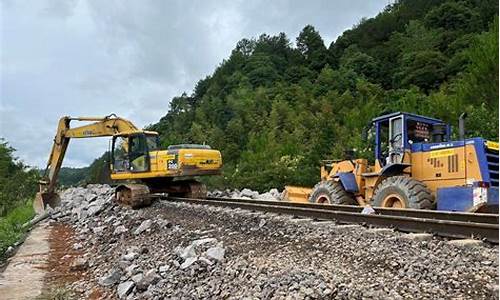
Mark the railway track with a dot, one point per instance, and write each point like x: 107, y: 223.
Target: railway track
x: 440, y: 223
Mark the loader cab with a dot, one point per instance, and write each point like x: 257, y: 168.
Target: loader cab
x: 130, y: 152
x: 396, y: 132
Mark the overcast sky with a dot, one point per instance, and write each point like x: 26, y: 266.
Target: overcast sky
x: 93, y: 58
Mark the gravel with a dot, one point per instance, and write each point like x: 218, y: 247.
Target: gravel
x: 197, y: 252
x: 271, y: 195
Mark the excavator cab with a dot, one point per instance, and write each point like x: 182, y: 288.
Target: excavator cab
x: 130, y: 152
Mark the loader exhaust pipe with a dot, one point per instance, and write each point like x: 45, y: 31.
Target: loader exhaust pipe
x: 461, y: 126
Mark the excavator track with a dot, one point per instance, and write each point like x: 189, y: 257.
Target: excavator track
x: 133, y: 195
x: 137, y: 195
x: 197, y: 190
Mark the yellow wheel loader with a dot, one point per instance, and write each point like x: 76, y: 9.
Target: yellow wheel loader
x: 416, y: 166
x: 135, y: 159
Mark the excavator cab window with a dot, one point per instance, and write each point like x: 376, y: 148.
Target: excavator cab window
x: 139, y: 158
x: 120, y: 154
x: 130, y: 153
x: 153, y: 142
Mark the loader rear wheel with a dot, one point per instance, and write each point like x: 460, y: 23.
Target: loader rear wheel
x: 331, y: 192
x: 402, y: 192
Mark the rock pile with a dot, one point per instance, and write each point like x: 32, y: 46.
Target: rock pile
x: 271, y: 195
x: 80, y: 203
x: 182, y: 251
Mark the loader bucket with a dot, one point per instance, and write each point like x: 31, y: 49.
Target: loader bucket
x: 42, y: 200
x: 296, y: 193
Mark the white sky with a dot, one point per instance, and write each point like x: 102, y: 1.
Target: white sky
x: 93, y: 58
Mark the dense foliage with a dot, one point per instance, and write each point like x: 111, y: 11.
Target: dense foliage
x: 18, y: 184
x: 97, y: 172
x: 71, y: 176
x: 276, y: 110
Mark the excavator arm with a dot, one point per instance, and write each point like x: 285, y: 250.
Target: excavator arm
x: 106, y: 126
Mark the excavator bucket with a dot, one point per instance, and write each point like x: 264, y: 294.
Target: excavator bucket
x: 43, y: 200
x: 296, y: 193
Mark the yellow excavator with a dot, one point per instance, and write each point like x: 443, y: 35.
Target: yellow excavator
x: 135, y: 159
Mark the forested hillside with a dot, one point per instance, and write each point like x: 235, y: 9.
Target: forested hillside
x: 276, y: 109
x: 97, y: 172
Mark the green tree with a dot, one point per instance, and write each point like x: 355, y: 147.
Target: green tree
x: 18, y: 183
x: 275, y: 110
x: 312, y: 47
x: 453, y: 15
x: 425, y: 69
x: 479, y: 84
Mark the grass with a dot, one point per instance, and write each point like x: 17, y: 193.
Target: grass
x: 11, y: 225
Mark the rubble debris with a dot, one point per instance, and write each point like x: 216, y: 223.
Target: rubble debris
x: 120, y: 229
x: 137, y: 277
x: 185, y: 251
x: 145, y: 225
x: 163, y: 268
x: 150, y: 278
x: 197, y: 243
x: 188, y: 252
x: 124, y: 288
x: 271, y: 195
x: 112, y: 278
x: 216, y: 253
x: 79, y: 264
x: 130, y: 256
x: 368, y: 210
x: 188, y: 262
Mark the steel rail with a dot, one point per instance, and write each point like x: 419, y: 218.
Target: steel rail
x: 415, y: 213
x: 444, y: 228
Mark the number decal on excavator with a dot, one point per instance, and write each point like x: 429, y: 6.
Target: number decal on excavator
x: 171, y: 165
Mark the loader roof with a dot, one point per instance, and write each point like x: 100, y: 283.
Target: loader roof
x: 415, y: 116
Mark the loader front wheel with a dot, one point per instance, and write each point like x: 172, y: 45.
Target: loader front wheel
x: 331, y: 192
x: 402, y: 192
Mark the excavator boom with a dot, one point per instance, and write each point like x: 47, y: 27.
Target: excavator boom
x: 104, y: 126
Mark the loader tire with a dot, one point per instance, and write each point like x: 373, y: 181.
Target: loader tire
x: 403, y: 192
x: 331, y: 192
